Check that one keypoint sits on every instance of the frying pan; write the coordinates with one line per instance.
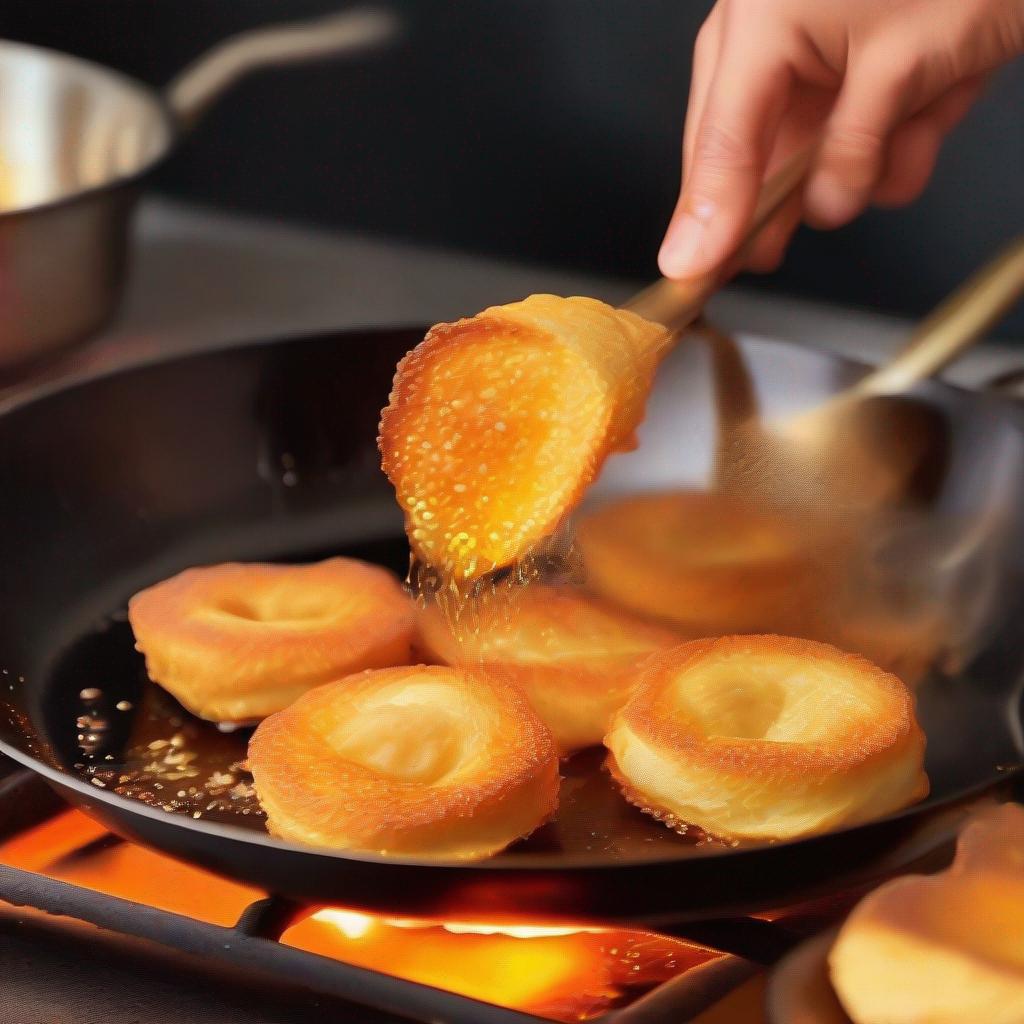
(76, 142)
(267, 452)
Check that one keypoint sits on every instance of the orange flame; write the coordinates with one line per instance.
(565, 972)
(59, 848)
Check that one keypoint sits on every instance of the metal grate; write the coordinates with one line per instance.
(250, 946)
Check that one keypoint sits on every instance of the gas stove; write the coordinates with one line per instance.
(94, 928)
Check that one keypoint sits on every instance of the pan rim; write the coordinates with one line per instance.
(515, 864)
(82, 376)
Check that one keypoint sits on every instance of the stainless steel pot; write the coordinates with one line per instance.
(76, 142)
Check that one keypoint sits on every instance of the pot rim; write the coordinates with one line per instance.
(118, 80)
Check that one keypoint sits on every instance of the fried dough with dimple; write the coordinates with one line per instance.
(237, 642)
(704, 562)
(497, 424)
(947, 948)
(425, 761)
(710, 565)
(767, 737)
(575, 658)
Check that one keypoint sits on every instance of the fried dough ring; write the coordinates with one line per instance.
(425, 760)
(947, 948)
(767, 737)
(573, 657)
(237, 642)
(497, 424)
(704, 562)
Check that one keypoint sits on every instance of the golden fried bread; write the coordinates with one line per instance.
(498, 423)
(947, 948)
(707, 563)
(767, 737)
(575, 658)
(237, 642)
(424, 761)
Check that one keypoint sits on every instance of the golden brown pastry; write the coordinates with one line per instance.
(497, 424)
(943, 949)
(237, 642)
(573, 657)
(707, 563)
(424, 761)
(767, 737)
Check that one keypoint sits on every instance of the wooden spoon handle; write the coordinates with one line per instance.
(676, 303)
(956, 324)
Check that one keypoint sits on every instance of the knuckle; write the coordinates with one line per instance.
(854, 153)
(854, 141)
(705, 41)
(1009, 32)
(720, 151)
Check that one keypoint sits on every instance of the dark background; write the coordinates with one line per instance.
(541, 129)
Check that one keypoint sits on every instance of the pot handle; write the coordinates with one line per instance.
(199, 84)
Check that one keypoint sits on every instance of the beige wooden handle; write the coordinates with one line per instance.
(956, 324)
(676, 303)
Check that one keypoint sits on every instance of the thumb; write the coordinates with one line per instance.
(741, 113)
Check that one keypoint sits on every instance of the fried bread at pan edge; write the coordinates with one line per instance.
(422, 761)
(704, 562)
(574, 657)
(497, 424)
(237, 642)
(767, 737)
(947, 948)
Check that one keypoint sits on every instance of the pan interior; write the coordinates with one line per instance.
(266, 453)
(105, 722)
(67, 126)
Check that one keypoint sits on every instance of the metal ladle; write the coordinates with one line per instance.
(867, 447)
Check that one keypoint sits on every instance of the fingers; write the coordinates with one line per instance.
(914, 146)
(766, 251)
(800, 127)
(887, 100)
(851, 158)
(909, 160)
(886, 87)
(744, 103)
(705, 55)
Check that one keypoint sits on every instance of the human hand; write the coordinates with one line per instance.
(876, 83)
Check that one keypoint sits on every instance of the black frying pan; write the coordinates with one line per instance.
(267, 452)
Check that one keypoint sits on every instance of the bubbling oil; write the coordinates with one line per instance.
(491, 602)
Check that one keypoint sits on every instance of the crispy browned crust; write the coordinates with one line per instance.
(313, 794)
(954, 940)
(652, 714)
(498, 423)
(239, 641)
(413, 418)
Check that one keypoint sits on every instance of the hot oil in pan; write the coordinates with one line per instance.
(134, 739)
(124, 734)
